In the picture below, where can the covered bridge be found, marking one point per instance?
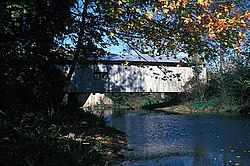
(132, 73)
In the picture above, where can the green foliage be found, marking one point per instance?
(237, 84)
(195, 88)
(212, 88)
(202, 105)
(133, 100)
(232, 85)
(231, 88)
(150, 99)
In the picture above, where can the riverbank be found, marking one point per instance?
(74, 137)
(204, 107)
(185, 109)
(177, 103)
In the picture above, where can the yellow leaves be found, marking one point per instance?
(218, 30)
(243, 23)
(218, 26)
(198, 17)
(155, 9)
(111, 34)
(204, 2)
(143, 22)
(165, 11)
(163, 1)
(178, 4)
(119, 2)
(149, 15)
(172, 5)
(212, 35)
(193, 39)
(236, 48)
(119, 10)
(231, 21)
(187, 20)
(200, 2)
(226, 9)
(241, 34)
(219, 14)
(126, 63)
(185, 2)
(247, 15)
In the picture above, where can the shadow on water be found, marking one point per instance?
(159, 139)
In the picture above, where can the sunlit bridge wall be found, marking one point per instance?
(117, 77)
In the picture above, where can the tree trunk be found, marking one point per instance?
(78, 49)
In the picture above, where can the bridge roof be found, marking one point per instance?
(143, 58)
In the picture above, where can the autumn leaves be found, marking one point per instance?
(172, 24)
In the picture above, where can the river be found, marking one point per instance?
(175, 140)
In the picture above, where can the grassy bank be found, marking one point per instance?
(192, 107)
(141, 100)
(72, 138)
(178, 103)
(212, 106)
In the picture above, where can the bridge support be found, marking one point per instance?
(93, 99)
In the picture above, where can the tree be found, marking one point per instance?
(29, 77)
(41, 34)
(163, 27)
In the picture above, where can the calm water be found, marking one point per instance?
(173, 140)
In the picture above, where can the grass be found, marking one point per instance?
(192, 107)
(72, 138)
(202, 105)
(137, 100)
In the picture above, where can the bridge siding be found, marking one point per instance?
(131, 78)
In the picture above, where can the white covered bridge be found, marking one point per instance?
(130, 73)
